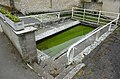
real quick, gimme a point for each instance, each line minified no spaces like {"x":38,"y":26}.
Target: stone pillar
{"x":23,"y":40}
{"x":28,"y":46}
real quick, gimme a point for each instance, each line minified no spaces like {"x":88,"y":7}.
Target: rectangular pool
{"x":57,"y":42}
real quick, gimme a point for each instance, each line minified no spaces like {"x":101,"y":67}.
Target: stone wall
{"x":94,"y":6}
{"x":111,"y":5}
{"x":5,"y":2}
{"x":105,"y":5}
{"x":28,"y":6}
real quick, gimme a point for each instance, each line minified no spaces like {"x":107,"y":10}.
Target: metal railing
{"x":93,"y":36}
{"x":95,"y":16}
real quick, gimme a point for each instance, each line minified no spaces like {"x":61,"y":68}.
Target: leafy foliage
{"x":2,"y":10}
{"x":13,"y":17}
{"x":9,"y":15}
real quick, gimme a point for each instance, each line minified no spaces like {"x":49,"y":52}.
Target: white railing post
{"x":99,"y":17}
{"x":110,"y":27}
{"x":116,"y":22}
{"x":72,"y":11}
{"x":84,"y":15}
{"x":70,"y":55}
{"x":97,"y":36}
{"x":117,"y":19}
{"x":58,"y":15}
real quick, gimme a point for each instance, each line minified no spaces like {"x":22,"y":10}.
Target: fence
{"x":99,"y":17}
{"x":94,"y":36}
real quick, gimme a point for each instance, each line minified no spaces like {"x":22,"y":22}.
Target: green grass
{"x":57,"y":49}
{"x":63,"y":36}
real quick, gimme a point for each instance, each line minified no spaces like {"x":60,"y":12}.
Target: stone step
{"x":70,"y":71}
{"x":62,"y":60}
{"x":41,"y":72}
{"x":52,"y":67}
{"x":64,"y":72}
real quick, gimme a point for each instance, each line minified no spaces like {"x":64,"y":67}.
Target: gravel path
{"x":104,"y":61}
{"x":11,"y":65}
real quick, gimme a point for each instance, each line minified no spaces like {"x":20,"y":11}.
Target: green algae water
{"x":53,"y":44}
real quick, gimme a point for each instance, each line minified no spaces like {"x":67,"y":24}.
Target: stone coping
{"x":25,"y":30}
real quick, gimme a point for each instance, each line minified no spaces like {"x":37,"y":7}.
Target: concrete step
{"x":64,"y":72}
{"x":71,"y":74}
{"x":70,"y":71}
{"x":62,"y":60}
{"x":41,"y":72}
{"x":52,"y":67}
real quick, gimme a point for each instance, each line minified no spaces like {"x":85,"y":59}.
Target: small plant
{"x":9,"y":15}
{"x":13,"y":17}
{"x":2,"y":10}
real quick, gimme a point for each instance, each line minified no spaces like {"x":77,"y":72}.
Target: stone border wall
{"x":24,"y":42}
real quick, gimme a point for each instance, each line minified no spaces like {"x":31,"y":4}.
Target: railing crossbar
{"x":96,"y":31}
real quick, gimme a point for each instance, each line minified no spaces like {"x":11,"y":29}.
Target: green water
{"x":62,"y":39}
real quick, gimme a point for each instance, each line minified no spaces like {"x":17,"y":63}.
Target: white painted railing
{"x":91,"y":37}
{"x":93,"y":15}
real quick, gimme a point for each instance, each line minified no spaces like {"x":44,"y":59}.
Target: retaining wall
{"x":23,"y":41}
{"x":27,"y":6}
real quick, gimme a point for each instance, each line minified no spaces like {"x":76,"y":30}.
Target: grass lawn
{"x":63,"y":36}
